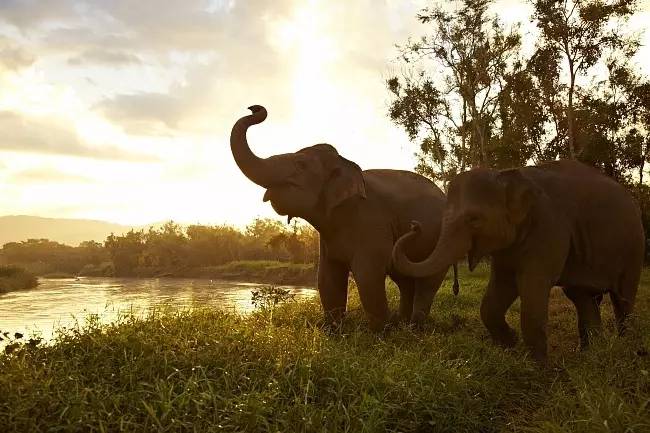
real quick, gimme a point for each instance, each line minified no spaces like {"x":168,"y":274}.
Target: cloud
{"x":99,"y":56}
{"x":27,"y":14}
{"x":215,"y":55}
{"x":48,"y":135}
{"x":45,"y":174}
{"x":14,"y":57}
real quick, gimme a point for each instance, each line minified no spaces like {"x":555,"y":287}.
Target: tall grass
{"x":208,"y":370}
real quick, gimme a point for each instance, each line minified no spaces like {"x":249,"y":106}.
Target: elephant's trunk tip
{"x":259,"y":113}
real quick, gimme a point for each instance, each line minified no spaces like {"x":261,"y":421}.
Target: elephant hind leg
{"x":623,"y":298}
{"x":588,"y":308}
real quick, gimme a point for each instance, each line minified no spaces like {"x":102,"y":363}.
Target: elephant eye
{"x":300,"y":165}
{"x":474,"y":221}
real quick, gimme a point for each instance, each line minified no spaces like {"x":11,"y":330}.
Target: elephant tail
{"x":456,"y":285}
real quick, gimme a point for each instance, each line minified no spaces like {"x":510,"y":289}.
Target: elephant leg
{"x":534,"y":291}
{"x":623,"y":298}
{"x":406,"y":294}
{"x":425,"y":291}
{"x":500,"y":294}
{"x":588,"y":309}
{"x":333,"y":290}
{"x":371,"y":283}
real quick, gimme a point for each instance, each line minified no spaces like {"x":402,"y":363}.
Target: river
{"x":68,"y":301}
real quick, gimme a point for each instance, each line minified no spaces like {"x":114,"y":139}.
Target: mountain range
{"x":70,"y":231}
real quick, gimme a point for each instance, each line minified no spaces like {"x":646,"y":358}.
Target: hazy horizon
{"x":121,"y":111}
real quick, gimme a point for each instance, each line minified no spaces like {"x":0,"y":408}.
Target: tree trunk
{"x":569,"y":112}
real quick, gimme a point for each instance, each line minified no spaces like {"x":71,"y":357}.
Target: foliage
{"x":203,"y":369}
{"x":171,"y":249}
{"x":581,"y":32}
{"x":450,"y":100}
{"x":13,"y":278}
{"x":469,"y":95}
{"x":268,"y":297}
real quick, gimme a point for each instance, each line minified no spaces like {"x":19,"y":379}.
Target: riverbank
{"x":202,"y":368}
{"x":263,"y":272}
{"x":254,"y":271}
{"x":14,"y":278}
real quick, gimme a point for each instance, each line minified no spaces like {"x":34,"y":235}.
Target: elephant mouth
{"x":278,"y":207}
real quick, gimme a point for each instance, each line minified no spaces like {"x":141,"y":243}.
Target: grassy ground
{"x":13,"y":278}
{"x":206,"y":370}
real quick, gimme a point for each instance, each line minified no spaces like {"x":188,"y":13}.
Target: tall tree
{"x":448,"y":95}
{"x":579,"y":33}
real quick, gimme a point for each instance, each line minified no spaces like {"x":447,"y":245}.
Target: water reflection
{"x":63,"y":302}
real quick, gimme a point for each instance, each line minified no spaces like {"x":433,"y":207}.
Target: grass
{"x":208,"y":370}
{"x":14,"y":278}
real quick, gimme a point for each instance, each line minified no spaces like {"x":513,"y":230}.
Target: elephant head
{"x":308,"y":183}
{"x":482,"y":214}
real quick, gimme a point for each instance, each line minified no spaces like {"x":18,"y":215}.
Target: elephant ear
{"x":520,"y":194}
{"x":344,"y":182}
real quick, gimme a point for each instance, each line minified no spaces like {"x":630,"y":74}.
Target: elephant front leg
{"x":534,"y":291}
{"x":406,"y":288}
{"x":499,"y":295}
{"x":333,"y":291}
{"x":371,"y":283}
{"x":425,"y":291}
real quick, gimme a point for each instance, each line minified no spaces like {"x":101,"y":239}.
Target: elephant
{"x":558,"y":223}
{"x":359,"y":214}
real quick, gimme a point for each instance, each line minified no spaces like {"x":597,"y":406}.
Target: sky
{"x":121,"y":110}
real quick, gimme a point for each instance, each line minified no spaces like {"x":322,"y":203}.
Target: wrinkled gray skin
{"x":559,"y":223}
{"x":359,"y":215}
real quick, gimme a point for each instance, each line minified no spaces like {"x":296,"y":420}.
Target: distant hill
{"x":70,"y":231}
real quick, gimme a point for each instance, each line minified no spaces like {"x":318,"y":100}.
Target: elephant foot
{"x":507,"y":340}
{"x":331,"y":327}
{"x":397,"y":318}
{"x":538,"y":356}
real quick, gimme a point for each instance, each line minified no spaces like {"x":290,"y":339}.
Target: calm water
{"x":65,"y":302}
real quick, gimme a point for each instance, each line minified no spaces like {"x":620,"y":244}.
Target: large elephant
{"x":359,"y":216}
{"x":559,"y":223}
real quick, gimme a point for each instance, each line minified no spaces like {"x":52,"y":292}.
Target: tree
{"x":580,"y":32}
{"x":454,"y":116}
{"x":612,"y":123}
{"x":126,"y":250}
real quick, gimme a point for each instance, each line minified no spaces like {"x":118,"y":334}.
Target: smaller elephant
{"x":359,"y":215}
{"x":559,"y":223}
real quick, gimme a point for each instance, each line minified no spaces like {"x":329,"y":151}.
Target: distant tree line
{"x":170,"y":249}
{"x":469,"y":93}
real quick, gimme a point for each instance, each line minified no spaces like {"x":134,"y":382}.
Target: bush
{"x":13,"y":278}
{"x":106,"y":269}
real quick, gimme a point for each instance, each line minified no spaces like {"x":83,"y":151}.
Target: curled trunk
{"x":453,"y":244}
{"x":258,"y":170}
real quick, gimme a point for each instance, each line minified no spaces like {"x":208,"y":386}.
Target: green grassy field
{"x":205,"y":370}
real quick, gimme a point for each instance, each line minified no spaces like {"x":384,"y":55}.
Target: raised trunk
{"x":454,"y":242}
{"x":258,"y":170}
